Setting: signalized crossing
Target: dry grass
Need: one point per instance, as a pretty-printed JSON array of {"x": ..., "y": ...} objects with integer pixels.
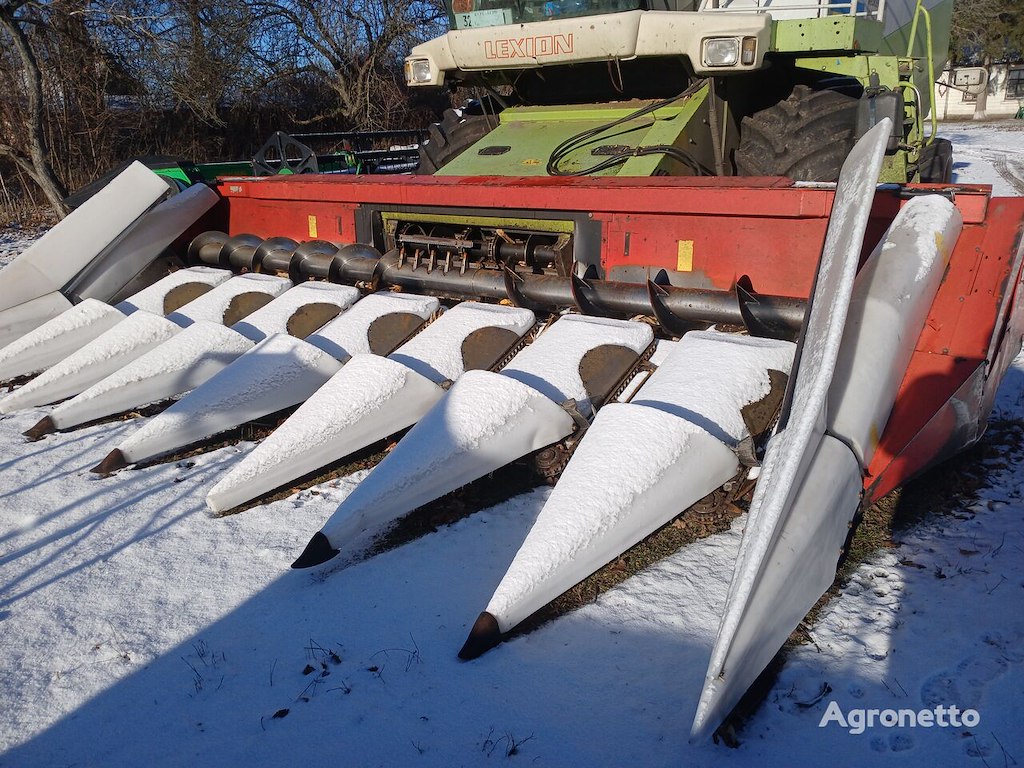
[{"x": 23, "y": 214}]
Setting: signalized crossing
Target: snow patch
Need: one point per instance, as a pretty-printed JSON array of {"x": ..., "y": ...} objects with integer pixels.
[
  {"x": 359, "y": 389},
  {"x": 625, "y": 453},
  {"x": 151, "y": 299},
  {"x": 640, "y": 464},
  {"x": 436, "y": 353},
  {"x": 551, "y": 365},
  {"x": 346, "y": 335},
  {"x": 710, "y": 376},
  {"x": 485, "y": 421},
  {"x": 132, "y": 337},
  {"x": 57, "y": 338},
  {"x": 214, "y": 303},
  {"x": 273, "y": 317},
  {"x": 279, "y": 372},
  {"x": 201, "y": 344}
]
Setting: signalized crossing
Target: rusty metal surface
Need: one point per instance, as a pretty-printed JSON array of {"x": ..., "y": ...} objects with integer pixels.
[
  {"x": 311, "y": 317},
  {"x": 551, "y": 461},
  {"x": 243, "y": 305},
  {"x": 760, "y": 418},
  {"x": 485, "y": 347},
  {"x": 387, "y": 332},
  {"x": 603, "y": 369},
  {"x": 180, "y": 295}
]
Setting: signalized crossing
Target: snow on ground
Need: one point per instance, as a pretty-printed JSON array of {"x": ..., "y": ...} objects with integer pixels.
[
  {"x": 988, "y": 153},
  {"x": 136, "y": 630},
  {"x": 14, "y": 239}
]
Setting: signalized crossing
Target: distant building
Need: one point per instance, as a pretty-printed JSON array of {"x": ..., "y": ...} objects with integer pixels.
[{"x": 1005, "y": 94}]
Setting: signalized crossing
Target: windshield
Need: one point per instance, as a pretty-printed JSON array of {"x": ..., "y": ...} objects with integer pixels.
[{"x": 493, "y": 13}]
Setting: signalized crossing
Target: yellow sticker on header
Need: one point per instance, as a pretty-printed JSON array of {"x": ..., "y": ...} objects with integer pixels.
[
  {"x": 312, "y": 226},
  {"x": 684, "y": 259}
]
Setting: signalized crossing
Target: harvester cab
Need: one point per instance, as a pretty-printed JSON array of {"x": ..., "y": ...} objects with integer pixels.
[
  {"x": 723, "y": 87},
  {"x": 571, "y": 281}
]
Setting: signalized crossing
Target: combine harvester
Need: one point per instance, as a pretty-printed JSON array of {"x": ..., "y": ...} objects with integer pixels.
[{"x": 828, "y": 334}]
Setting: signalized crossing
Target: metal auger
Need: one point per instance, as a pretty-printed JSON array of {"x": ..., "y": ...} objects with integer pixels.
[{"x": 676, "y": 309}]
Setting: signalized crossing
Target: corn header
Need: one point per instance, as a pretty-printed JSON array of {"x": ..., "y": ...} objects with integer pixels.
[{"x": 636, "y": 296}]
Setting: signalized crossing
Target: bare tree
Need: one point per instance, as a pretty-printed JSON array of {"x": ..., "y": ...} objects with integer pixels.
[
  {"x": 194, "y": 55},
  {"x": 24, "y": 113},
  {"x": 85, "y": 84},
  {"x": 986, "y": 31},
  {"x": 355, "y": 49}
]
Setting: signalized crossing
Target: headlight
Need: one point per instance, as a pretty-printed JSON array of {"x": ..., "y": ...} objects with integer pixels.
[
  {"x": 721, "y": 51},
  {"x": 418, "y": 72}
]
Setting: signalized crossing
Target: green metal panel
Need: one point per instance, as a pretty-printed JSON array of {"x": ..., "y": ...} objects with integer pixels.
[
  {"x": 927, "y": 41},
  {"x": 211, "y": 171},
  {"x": 909, "y": 58},
  {"x": 861, "y": 67},
  {"x": 526, "y": 137},
  {"x": 175, "y": 173},
  {"x": 830, "y": 33},
  {"x": 554, "y": 226},
  {"x": 894, "y": 169}
]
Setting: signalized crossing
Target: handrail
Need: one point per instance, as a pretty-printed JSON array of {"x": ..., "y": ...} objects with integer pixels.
[
  {"x": 856, "y": 8},
  {"x": 913, "y": 28},
  {"x": 931, "y": 75},
  {"x": 921, "y": 11}
]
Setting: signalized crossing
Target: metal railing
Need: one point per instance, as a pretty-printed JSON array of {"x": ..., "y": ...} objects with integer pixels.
[{"x": 873, "y": 9}]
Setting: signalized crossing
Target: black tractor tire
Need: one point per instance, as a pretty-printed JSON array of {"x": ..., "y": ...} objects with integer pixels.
[
  {"x": 451, "y": 137},
  {"x": 936, "y": 163},
  {"x": 805, "y": 137}
]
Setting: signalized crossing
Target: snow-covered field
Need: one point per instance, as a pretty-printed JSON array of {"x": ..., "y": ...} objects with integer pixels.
[
  {"x": 136, "y": 630},
  {"x": 988, "y": 153}
]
